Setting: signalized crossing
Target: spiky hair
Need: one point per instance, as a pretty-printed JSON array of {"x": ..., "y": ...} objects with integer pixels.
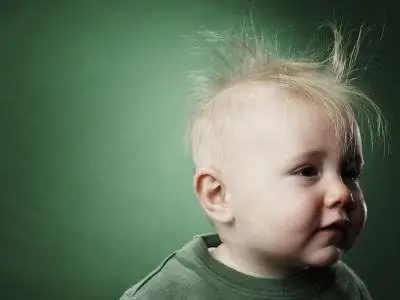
[{"x": 244, "y": 56}]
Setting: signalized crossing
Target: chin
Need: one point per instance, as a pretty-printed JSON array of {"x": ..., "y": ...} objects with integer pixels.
[{"x": 326, "y": 256}]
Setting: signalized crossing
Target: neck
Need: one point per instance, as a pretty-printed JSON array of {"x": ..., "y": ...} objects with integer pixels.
[{"x": 244, "y": 263}]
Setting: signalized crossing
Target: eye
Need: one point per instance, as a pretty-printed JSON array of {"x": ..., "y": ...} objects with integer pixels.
[
  {"x": 351, "y": 172},
  {"x": 308, "y": 172}
]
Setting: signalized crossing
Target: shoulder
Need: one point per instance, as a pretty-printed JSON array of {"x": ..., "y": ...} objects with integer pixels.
[
  {"x": 347, "y": 279},
  {"x": 169, "y": 281},
  {"x": 159, "y": 279}
]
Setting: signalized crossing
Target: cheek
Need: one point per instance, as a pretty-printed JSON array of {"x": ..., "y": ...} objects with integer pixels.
[
  {"x": 359, "y": 214},
  {"x": 282, "y": 208},
  {"x": 250, "y": 205},
  {"x": 248, "y": 191}
]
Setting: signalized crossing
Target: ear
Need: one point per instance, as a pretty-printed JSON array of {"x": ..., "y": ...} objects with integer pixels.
[{"x": 212, "y": 195}]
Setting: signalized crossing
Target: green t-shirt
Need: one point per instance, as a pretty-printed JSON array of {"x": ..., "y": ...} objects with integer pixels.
[{"x": 191, "y": 273}]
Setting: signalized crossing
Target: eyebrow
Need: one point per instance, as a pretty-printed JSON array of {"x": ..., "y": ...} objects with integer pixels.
[
  {"x": 320, "y": 154},
  {"x": 307, "y": 155}
]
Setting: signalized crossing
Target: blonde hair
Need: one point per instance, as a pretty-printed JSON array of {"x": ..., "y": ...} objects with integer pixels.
[{"x": 243, "y": 57}]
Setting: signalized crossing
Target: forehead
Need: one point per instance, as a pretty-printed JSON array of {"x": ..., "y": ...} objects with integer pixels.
[{"x": 286, "y": 123}]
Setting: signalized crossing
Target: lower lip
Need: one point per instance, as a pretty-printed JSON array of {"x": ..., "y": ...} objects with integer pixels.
[
  {"x": 332, "y": 231},
  {"x": 338, "y": 235}
]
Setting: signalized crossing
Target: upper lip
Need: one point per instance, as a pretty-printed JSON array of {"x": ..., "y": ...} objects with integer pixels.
[{"x": 341, "y": 224}]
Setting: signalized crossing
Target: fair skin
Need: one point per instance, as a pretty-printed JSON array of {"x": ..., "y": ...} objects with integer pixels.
[{"x": 285, "y": 181}]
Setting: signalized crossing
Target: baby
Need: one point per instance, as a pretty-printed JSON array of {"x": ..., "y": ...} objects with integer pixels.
[{"x": 278, "y": 156}]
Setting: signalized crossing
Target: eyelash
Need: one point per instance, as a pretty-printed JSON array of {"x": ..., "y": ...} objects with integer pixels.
[
  {"x": 348, "y": 173},
  {"x": 303, "y": 170}
]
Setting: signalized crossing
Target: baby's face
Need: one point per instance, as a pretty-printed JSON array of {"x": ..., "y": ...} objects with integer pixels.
[{"x": 294, "y": 196}]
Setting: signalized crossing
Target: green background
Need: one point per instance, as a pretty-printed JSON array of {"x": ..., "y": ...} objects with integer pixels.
[{"x": 95, "y": 188}]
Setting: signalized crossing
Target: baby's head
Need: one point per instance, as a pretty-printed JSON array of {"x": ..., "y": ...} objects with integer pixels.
[{"x": 278, "y": 154}]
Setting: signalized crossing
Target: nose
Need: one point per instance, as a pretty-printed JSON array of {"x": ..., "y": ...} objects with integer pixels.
[{"x": 338, "y": 194}]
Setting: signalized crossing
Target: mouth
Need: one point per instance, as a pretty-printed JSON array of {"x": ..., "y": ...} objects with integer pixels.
[
  {"x": 337, "y": 233},
  {"x": 342, "y": 228}
]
